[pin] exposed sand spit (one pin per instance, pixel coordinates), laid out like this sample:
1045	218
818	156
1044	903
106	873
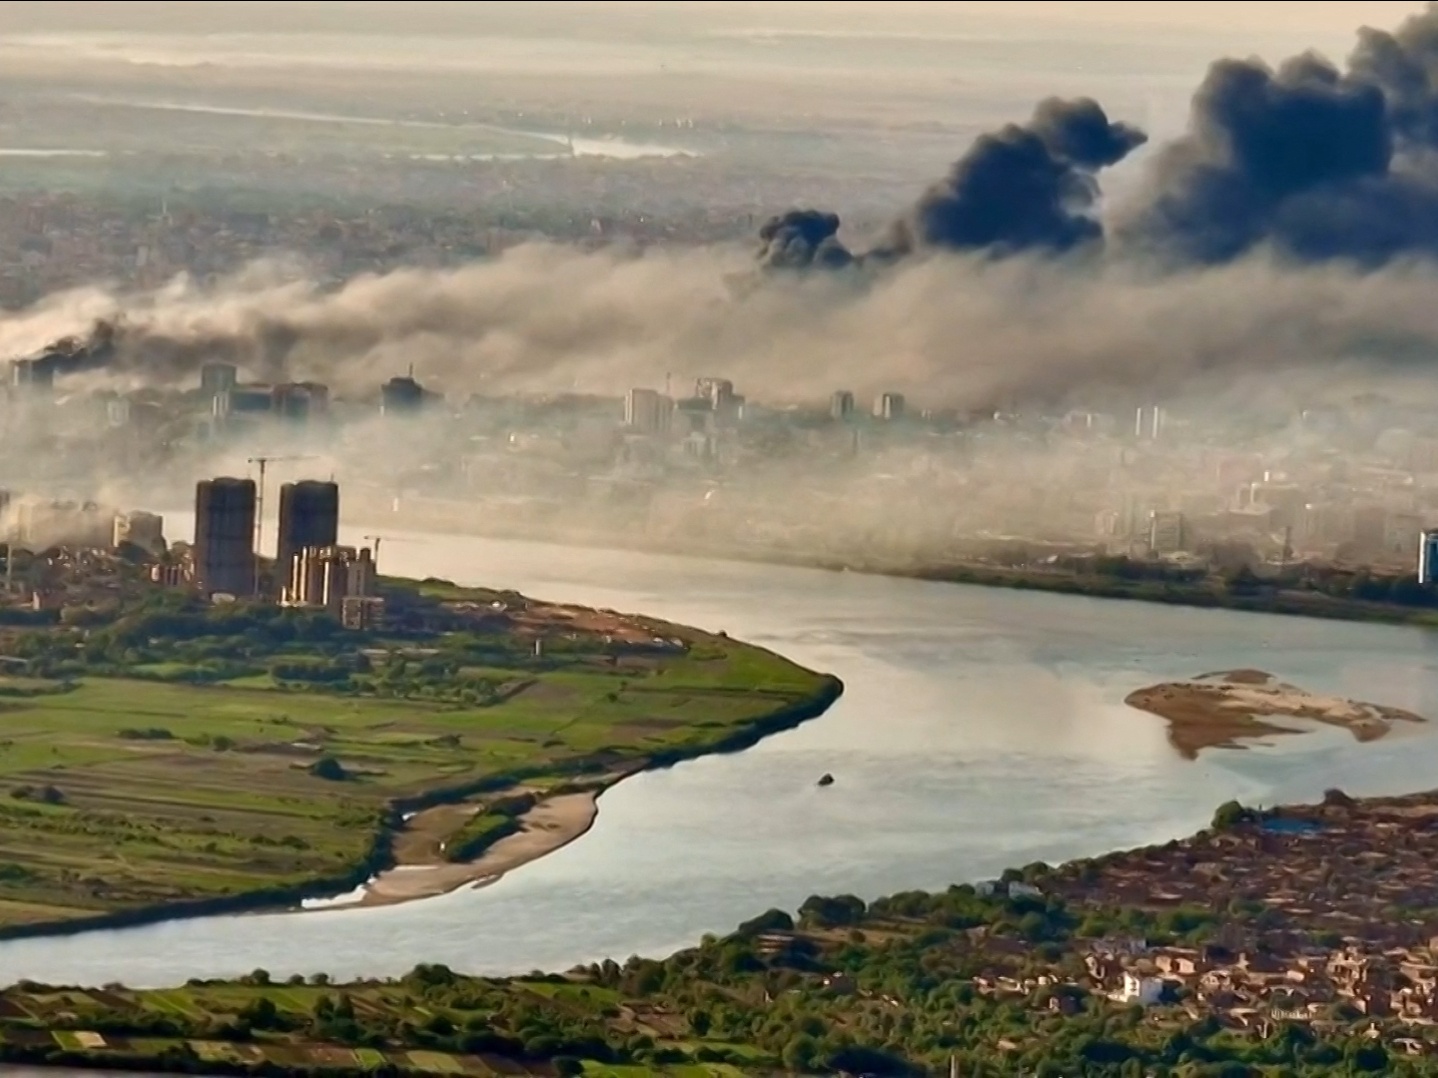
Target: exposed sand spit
1222	710
553	823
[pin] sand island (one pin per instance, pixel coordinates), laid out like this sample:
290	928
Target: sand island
1223	710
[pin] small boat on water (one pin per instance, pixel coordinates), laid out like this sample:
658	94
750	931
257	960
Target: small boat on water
827	780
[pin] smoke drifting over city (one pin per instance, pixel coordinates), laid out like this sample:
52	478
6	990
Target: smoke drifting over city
1292	224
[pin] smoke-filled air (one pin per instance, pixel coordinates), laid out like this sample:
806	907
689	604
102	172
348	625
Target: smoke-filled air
1291	224
1281	249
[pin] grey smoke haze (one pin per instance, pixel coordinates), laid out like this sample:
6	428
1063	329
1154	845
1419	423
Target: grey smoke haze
951	330
1309	193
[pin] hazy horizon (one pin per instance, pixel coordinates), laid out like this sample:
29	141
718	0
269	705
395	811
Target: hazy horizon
1263	15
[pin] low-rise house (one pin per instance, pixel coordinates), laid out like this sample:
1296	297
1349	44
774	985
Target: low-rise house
1145	991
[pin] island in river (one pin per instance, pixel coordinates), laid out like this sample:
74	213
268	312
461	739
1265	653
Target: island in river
162	757
1299	941
1223	710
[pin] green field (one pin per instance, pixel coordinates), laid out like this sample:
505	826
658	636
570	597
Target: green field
120	794
428	1023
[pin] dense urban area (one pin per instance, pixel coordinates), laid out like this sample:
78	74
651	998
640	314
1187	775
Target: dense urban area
1329	500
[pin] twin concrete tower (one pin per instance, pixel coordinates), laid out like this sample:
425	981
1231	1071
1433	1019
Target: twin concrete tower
225	519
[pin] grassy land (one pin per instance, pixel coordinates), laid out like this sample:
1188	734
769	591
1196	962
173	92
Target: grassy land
121	795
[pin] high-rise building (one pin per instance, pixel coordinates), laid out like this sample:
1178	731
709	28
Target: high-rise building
719	392
309	517
244	400
841	405
890	406
1149	423
1167	533
402	396
33	374
39	524
217	378
224	536
1428	559
327	576
300	401
143	530
648	411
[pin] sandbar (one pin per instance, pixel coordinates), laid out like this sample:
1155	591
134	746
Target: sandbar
1223	710
422	871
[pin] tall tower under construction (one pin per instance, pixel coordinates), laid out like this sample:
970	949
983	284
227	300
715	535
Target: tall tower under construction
309	517
224	536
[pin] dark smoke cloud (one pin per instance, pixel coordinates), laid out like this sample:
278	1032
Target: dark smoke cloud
803	239
1313	160
1022	188
1316	161
1029	187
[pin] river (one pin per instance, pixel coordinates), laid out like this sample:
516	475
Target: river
981	729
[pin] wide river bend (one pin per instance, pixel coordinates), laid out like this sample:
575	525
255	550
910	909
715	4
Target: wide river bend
981	729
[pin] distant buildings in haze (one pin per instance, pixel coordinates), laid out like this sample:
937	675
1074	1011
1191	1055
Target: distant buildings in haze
647	411
890	407
402	396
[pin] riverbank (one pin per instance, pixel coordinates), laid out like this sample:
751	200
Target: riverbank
558	820
191	791
1209	944
1208	594
422	869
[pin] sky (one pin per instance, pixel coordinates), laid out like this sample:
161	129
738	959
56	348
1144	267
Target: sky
1268	16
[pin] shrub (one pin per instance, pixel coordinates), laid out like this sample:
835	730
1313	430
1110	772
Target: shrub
329	769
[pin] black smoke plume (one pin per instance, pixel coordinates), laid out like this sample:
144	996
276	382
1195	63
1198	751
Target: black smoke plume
1022	188
1315	161
803	239
1029	187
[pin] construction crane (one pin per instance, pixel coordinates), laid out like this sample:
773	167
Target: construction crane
376	540
263	464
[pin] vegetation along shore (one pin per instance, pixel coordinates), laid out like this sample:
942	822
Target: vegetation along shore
1288	942
165	758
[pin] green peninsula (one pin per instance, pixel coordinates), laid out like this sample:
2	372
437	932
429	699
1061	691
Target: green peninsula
162	757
